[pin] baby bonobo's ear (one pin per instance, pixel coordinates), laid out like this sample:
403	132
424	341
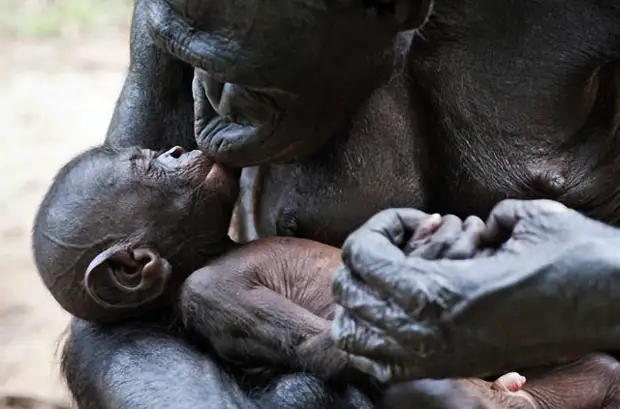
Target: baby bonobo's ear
120	277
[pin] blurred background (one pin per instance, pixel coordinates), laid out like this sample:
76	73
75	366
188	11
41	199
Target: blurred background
62	63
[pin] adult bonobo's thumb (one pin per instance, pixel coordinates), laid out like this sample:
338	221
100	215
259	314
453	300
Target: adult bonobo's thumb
382	237
508	213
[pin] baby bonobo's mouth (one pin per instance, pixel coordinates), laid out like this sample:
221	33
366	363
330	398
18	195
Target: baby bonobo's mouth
214	172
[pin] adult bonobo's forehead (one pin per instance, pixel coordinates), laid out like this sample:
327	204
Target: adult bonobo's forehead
270	43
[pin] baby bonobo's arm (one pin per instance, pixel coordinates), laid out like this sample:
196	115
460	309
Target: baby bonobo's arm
268	304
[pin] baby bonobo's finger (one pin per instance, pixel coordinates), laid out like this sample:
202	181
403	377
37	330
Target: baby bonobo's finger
423	233
450	230
510	382
467	245
320	356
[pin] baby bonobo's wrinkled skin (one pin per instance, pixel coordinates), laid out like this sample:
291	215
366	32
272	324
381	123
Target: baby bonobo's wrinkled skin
264	315
493	99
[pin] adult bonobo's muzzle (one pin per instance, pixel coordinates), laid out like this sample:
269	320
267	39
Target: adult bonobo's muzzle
275	79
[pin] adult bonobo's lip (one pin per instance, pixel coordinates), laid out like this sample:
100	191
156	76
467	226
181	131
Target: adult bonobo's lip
233	123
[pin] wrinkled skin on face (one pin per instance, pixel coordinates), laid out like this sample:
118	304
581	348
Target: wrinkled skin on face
251	105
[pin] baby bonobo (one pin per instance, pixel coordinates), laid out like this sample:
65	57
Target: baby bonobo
120	231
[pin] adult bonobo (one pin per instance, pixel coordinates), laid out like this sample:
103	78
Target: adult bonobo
507	98
149	362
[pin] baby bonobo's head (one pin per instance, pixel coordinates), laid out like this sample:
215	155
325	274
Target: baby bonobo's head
120	229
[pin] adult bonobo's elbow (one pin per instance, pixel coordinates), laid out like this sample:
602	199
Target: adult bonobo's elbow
250	58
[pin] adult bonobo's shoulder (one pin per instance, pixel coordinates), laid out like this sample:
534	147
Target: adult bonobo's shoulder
115	222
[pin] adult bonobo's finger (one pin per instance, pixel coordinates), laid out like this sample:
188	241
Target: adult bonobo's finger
203	110
505	216
358	338
468	243
375	249
450	230
355	295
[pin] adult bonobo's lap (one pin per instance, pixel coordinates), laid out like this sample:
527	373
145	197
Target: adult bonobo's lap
250	57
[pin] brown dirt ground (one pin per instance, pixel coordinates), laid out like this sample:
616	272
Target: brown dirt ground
56	98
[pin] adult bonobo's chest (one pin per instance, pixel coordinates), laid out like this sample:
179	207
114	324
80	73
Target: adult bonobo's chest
371	165
502	99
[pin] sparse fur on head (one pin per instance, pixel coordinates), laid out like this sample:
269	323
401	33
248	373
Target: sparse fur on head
112	236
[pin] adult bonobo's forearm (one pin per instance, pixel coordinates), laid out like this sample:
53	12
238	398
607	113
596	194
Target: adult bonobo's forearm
155	107
549	293
141	366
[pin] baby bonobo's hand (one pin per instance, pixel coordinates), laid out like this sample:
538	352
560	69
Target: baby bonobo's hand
267	306
446	237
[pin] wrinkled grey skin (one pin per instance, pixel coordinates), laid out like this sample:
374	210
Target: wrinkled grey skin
508	99
444	318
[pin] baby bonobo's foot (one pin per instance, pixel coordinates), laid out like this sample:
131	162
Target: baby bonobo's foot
440	237
511	382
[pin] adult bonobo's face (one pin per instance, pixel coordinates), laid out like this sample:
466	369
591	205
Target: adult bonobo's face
282	76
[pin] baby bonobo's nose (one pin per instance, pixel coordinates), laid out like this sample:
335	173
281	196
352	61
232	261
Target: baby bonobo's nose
176	152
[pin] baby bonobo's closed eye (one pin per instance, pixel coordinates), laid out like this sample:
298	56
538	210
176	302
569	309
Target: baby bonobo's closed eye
126	278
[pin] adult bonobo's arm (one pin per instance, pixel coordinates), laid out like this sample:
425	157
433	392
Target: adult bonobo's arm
547	294
155	108
142	366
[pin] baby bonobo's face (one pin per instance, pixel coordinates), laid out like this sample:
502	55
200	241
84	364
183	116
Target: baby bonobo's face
177	197
120	229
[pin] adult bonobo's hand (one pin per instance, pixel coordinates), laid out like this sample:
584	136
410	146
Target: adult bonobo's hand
545	293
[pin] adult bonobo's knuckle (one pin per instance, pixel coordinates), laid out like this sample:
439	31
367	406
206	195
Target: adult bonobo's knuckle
546	206
354	245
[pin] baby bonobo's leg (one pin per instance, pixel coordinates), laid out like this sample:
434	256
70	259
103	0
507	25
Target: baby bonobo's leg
265	305
589	383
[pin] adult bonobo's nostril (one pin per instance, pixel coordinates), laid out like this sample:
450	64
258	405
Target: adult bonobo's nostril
176	152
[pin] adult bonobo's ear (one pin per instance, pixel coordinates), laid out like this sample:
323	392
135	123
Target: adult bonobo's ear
401	14
120	277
